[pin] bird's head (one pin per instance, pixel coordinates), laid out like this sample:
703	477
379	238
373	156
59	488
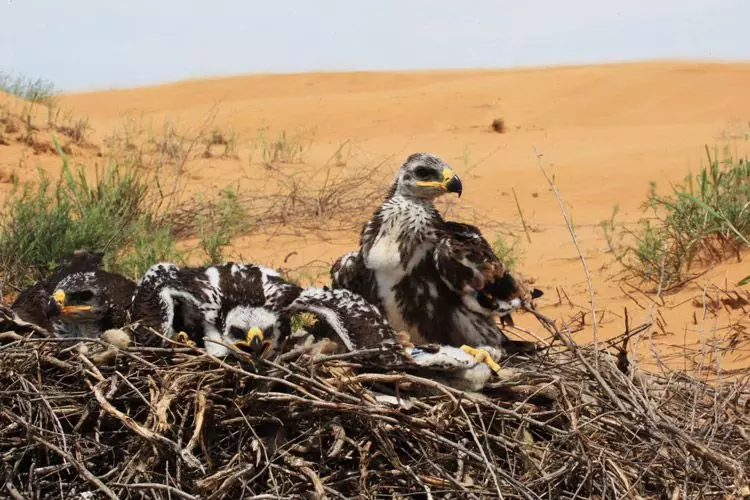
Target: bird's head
252	330
426	176
77	298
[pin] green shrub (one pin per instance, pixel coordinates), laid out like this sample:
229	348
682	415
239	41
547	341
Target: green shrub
509	255
704	219
33	90
219	223
114	210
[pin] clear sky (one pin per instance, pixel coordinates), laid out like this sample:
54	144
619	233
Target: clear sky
99	44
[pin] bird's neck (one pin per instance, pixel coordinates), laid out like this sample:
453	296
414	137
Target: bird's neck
408	214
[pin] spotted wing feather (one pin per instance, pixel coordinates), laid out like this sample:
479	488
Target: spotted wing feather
170	299
356	322
468	265
349	272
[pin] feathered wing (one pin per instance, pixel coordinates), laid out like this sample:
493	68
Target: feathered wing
469	266
119	290
356	322
169	300
360	325
349	272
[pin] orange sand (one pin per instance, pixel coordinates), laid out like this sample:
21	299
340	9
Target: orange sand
605	132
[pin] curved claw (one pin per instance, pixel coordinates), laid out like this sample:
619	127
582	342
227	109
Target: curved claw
482	356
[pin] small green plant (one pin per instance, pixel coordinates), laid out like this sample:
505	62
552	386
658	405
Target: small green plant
119	210
704	219
149	243
42	223
609	228
509	255
220	222
33	90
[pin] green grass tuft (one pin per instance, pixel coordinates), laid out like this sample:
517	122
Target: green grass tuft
219	223
33	90
115	209
509	255
705	219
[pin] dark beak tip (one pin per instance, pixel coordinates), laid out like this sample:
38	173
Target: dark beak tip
51	308
455	186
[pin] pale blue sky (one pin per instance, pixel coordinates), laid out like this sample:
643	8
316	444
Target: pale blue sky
99	44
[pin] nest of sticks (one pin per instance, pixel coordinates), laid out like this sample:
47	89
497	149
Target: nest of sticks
160	423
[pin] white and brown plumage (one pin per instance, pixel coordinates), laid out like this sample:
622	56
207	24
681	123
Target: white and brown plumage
438	280
244	305
249	307
32	304
79	299
86	304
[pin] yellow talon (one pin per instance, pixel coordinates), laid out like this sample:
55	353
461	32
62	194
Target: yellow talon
184	338
482	356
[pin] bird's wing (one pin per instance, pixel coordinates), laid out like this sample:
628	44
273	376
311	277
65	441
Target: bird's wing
464	258
469	266
168	298
356	322
120	291
349	272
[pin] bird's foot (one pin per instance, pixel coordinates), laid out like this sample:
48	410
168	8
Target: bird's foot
184	338
482	356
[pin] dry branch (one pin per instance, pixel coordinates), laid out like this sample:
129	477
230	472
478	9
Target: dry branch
197	427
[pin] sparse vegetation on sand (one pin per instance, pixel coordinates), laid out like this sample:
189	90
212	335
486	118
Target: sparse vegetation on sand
44	221
509	254
705	219
573	421
34	90
20	119
117	208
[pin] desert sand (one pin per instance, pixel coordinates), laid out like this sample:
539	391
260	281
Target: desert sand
605	131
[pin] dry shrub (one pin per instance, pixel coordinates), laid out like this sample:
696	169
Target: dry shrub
12	127
498	125
307	198
174	423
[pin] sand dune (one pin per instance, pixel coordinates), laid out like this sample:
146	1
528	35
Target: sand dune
605	132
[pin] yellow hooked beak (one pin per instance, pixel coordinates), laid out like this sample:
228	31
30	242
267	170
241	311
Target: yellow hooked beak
59	298
184	338
451	183
255	343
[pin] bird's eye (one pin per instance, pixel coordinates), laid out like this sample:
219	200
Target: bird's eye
82	296
236	332
422	172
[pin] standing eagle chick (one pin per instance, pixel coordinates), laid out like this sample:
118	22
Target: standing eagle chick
438	280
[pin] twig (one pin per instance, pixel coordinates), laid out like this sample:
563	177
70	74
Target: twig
564	212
